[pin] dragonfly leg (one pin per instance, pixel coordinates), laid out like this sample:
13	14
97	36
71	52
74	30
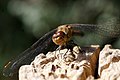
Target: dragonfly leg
64	54
60	55
58	49
71	53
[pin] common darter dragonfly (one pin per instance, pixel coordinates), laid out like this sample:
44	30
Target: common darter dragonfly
56	38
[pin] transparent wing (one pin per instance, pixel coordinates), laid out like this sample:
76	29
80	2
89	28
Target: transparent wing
101	34
108	30
43	45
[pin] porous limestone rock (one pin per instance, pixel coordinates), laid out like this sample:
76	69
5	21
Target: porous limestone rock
109	63
62	65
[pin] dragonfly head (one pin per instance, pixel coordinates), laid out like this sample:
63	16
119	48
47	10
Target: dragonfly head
62	35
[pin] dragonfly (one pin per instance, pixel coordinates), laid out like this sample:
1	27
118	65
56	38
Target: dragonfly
52	40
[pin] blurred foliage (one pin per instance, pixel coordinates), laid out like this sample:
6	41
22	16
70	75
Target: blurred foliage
22	22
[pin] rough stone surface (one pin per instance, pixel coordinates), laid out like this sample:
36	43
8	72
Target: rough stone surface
62	65
109	64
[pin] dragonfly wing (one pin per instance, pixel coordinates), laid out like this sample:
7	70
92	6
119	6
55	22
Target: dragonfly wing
43	45
107	30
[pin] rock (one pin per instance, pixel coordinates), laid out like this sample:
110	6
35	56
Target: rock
74	65
109	63
62	65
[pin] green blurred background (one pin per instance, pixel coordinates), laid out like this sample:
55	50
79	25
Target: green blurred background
22	22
